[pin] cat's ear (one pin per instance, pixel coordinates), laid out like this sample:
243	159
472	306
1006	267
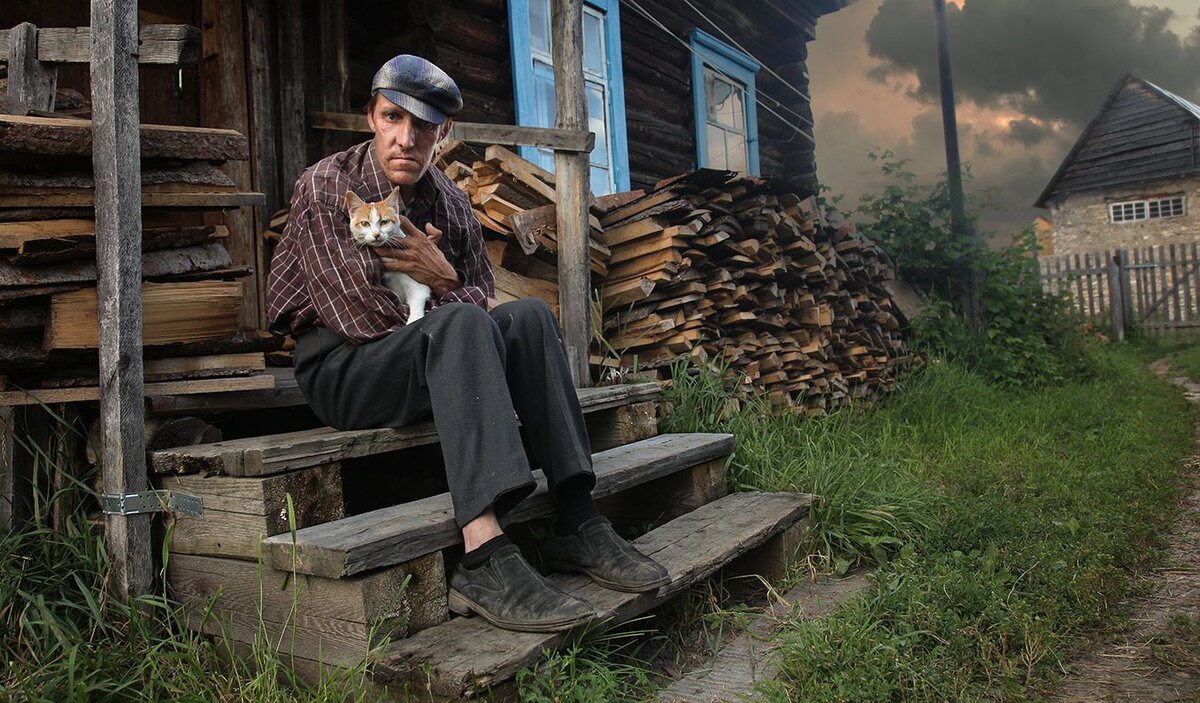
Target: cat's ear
393	199
353	201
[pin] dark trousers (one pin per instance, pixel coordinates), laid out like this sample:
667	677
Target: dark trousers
476	372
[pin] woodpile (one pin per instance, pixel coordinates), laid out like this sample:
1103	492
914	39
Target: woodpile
738	270
192	295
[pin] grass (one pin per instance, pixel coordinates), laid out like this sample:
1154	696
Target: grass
1007	524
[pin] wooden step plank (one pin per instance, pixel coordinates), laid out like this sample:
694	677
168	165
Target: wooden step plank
464	656
260	456
399	533
87	393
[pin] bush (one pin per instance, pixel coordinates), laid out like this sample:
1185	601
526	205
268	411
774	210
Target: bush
1025	335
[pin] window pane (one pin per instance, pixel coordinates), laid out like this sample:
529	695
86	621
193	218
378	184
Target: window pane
599	181
597	122
544	158
539	25
725	101
593	42
544	106
736	144
716	147
1154	208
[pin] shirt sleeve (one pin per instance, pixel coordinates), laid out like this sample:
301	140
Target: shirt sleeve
340	279
473	266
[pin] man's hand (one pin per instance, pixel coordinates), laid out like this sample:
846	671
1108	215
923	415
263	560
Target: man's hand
420	257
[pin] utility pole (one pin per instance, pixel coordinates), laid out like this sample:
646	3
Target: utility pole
958	215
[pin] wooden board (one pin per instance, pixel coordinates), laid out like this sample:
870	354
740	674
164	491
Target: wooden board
171	313
195	198
464	656
283	394
259	456
167	44
239	512
48	136
204	257
166	388
399	533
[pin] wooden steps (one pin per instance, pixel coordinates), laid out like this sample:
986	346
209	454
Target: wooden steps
397	534
463	657
261	456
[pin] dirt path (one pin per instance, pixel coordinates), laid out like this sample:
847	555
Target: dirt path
1158	658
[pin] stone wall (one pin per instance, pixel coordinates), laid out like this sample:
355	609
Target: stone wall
1081	221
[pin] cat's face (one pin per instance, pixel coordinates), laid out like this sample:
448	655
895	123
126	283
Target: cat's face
374	224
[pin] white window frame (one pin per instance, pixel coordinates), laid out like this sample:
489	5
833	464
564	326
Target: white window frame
1126	211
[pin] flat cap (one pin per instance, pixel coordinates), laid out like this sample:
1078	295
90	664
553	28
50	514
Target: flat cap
418	86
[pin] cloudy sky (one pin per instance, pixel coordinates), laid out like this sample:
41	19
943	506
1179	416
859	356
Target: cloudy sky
1029	75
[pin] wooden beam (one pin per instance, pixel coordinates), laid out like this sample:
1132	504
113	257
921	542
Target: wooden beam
293	128
574	195
30	84
58	136
85	394
116	162
475	132
170	44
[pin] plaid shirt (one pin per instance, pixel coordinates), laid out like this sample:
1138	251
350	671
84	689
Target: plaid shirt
320	278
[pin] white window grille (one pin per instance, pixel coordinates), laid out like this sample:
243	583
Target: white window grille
1137	210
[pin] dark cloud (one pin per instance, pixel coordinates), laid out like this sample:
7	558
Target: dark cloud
1053	60
1028	132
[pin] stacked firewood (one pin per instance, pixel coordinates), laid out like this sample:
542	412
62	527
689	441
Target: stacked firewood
741	271
515	203
191	294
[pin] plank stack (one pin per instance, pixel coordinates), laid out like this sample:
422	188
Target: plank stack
514	201
191	297
712	266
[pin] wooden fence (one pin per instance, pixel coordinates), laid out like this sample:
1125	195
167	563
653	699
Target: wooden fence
1154	290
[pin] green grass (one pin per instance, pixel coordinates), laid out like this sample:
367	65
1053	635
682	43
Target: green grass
1187	362
1007	525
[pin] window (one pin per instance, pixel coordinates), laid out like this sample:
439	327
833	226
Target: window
726	114
1135	210
533	84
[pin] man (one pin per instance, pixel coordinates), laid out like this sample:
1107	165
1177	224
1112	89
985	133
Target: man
474	365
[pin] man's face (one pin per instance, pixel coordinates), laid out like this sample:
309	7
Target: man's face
403	142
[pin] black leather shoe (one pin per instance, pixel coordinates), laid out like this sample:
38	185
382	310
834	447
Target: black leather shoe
508	593
598	551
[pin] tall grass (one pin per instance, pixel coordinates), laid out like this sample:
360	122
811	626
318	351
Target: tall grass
64	638
1036	508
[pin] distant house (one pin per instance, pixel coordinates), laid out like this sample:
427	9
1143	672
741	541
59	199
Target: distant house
1133	178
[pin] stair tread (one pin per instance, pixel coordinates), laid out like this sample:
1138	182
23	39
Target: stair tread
461	657
260	456
399	533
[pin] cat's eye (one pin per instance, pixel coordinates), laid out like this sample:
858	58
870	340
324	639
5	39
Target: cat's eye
384	223
364	223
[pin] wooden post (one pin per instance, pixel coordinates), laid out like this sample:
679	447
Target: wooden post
571	174
31	83
1116	304
8	473
116	160
292	81
1127	305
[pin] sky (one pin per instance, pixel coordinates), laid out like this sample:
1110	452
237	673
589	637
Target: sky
1028	76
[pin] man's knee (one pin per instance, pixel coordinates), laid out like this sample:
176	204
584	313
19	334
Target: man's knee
524	312
465	319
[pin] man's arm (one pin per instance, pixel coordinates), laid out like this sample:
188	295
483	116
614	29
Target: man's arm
339	278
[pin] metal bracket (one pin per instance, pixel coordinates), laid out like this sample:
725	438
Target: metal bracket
159	501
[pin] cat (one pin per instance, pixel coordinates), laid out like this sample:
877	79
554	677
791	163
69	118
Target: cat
378	224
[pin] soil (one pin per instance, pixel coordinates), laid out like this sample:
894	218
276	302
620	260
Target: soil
1158	657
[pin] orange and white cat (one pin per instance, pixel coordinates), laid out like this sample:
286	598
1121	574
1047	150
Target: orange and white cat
378	224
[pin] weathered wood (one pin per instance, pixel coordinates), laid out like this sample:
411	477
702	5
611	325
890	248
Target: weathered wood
170	44
8	474
43	251
474	132
207	257
151	390
572	187
195	198
464	656
260	456
170	313
283	394
262	92
667	497
47	136
116	161
293	127
624	425
30	84
239	512
224	102
393	535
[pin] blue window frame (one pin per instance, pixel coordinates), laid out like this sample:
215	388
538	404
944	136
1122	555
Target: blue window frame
533	84
725	109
